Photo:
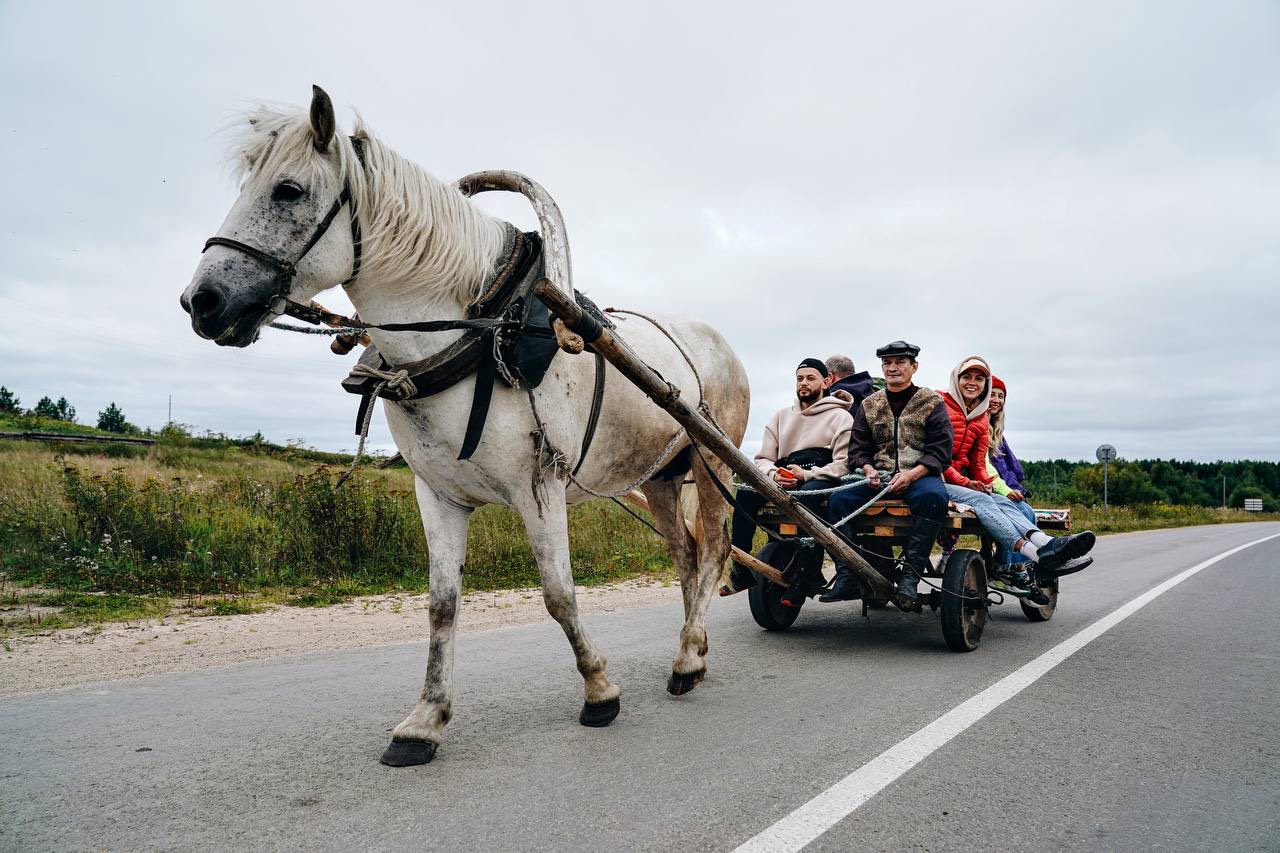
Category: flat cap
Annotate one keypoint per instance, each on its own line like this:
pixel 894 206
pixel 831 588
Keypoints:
pixel 898 348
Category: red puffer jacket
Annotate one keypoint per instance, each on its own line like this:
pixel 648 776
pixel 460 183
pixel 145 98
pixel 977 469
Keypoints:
pixel 969 453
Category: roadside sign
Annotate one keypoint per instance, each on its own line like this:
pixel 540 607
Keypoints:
pixel 1106 455
pixel 1253 504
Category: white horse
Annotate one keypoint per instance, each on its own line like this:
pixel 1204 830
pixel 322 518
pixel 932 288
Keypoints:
pixel 418 249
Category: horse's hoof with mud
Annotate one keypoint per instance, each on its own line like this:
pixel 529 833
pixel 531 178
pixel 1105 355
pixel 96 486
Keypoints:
pixel 681 683
pixel 409 753
pixel 598 714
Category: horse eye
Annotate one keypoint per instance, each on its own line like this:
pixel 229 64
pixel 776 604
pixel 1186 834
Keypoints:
pixel 287 191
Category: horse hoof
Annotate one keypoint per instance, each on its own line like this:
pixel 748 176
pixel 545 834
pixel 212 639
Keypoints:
pixel 598 714
pixel 680 684
pixel 409 753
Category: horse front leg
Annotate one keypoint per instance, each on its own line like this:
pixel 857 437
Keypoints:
pixel 690 665
pixel 548 530
pixel 417 738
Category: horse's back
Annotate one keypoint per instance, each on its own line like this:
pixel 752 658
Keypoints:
pixel 633 430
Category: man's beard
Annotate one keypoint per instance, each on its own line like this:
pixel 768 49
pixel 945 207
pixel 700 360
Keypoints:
pixel 813 397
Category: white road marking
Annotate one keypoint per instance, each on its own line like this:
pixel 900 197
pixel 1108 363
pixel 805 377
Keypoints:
pixel 824 811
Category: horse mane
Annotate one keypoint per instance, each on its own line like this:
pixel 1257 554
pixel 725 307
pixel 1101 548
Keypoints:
pixel 423 240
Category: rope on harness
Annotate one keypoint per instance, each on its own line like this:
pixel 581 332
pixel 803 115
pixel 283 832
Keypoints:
pixel 866 506
pixel 396 380
pixel 328 332
pixel 546 456
pixel 670 337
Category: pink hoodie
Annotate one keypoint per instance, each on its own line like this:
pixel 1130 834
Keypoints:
pixel 826 423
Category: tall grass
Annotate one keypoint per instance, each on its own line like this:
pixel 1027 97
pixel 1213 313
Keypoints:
pixel 142 526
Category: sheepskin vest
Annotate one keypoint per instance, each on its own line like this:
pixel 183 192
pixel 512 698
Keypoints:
pixel 899 441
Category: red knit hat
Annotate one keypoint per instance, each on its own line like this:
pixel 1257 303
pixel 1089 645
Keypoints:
pixel 997 382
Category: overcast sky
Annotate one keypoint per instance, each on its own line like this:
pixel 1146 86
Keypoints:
pixel 1085 193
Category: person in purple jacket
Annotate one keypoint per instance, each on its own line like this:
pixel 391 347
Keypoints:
pixel 1007 465
pixel 1009 471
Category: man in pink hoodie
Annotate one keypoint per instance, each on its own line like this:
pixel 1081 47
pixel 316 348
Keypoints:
pixel 804 448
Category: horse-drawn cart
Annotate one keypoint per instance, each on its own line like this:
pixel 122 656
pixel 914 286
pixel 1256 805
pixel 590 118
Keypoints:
pixel 962 596
pixel 957 581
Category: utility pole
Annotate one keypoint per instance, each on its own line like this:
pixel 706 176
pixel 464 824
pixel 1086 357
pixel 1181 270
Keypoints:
pixel 170 411
pixel 1224 491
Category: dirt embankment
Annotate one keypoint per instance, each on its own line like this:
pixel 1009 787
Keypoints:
pixel 111 652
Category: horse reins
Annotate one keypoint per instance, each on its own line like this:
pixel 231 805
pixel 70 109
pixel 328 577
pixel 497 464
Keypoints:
pixel 287 271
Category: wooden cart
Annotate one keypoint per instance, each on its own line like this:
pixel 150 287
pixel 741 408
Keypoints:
pixel 957 582
pixel 962 597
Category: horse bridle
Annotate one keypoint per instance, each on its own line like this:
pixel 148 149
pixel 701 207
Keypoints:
pixel 286 271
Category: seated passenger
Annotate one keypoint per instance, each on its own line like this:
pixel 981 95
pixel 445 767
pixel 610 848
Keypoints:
pixel 1006 474
pixel 968 483
pixel 904 431
pixel 845 378
pixel 803 448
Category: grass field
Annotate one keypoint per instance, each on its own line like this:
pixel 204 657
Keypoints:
pixel 91 534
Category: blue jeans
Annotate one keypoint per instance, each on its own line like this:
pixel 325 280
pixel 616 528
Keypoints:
pixel 1000 516
pixel 1013 558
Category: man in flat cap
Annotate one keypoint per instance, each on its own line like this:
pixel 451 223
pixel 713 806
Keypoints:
pixel 803 448
pixel 904 431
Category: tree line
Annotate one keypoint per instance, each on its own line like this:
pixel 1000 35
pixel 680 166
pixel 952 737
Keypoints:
pixel 1146 481
pixel 110 419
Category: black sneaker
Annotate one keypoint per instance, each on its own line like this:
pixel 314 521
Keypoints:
pixel 1070 567
pixel 1014 581
pixel 1055 553
pixel 1037 596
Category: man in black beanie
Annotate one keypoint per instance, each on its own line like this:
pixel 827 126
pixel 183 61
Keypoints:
pixel 804 448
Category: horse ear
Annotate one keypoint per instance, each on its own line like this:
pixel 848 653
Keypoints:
pixel 323 124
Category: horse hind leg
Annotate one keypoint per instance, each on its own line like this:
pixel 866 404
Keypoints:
pixel 548 531
pixel 663 497
pixel 418 736
pixel 690 665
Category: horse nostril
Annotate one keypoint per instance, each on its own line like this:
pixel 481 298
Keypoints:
pixel 205 302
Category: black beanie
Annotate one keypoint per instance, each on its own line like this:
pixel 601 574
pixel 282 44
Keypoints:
pixel 816 364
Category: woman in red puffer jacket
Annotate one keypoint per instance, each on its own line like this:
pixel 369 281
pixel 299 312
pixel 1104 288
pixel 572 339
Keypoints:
pixel 969 423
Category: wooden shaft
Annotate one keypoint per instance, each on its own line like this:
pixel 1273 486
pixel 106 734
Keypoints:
pixel 620 355
pixel 735 553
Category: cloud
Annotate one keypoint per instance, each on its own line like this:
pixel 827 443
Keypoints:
pixel 1085 195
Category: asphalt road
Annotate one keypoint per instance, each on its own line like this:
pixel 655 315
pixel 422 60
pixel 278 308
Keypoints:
pixel 1161 734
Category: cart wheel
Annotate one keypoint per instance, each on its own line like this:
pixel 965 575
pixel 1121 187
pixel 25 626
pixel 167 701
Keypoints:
pixel 766 597
pixel 964 600
pixel 1042 614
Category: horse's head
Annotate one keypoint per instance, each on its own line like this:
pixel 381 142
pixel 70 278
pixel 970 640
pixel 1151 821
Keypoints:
pixel 292 232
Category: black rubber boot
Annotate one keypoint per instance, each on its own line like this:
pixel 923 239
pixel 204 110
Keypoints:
pixel 845 587
pixel 915 557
